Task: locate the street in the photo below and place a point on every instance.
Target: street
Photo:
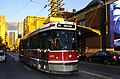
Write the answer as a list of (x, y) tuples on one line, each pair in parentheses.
[(13, 69)]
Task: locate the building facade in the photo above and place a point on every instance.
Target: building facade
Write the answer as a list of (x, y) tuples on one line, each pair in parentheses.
[(33, 22), (3, 29), (94, 23), (20, 29), (12, 35)]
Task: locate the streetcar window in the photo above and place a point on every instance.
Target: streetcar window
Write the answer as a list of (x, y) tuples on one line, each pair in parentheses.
[(63, 40), (44, 38), (52, 39)]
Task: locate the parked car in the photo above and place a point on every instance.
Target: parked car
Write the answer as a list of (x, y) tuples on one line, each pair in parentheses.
[(2, 56), (81, 56), (106, 57)]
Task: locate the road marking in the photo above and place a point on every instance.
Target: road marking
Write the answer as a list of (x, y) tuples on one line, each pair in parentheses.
[(12, 56), (95, 74), (27, 68), (15, 59)]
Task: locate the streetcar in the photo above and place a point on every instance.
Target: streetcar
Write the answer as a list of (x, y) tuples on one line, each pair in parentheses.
[(51, 48)]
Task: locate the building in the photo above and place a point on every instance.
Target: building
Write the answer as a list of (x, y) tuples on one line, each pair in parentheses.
[(12, 34), (3, 29), (94, 24), (20, 29), (11, 38), (33, 22)]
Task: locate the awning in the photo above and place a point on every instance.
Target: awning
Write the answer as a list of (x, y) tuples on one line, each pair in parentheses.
[(88, 32)]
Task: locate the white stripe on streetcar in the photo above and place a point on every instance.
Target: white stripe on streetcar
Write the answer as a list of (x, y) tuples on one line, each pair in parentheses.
[(63, 61), (35, 59)]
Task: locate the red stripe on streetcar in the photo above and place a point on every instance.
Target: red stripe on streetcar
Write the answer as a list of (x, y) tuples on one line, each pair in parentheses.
[(62, 56)]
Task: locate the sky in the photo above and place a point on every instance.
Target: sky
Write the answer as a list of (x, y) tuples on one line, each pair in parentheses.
[(17, 10)]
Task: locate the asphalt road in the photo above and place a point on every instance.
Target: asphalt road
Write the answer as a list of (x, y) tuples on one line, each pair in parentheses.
[(13, 69)]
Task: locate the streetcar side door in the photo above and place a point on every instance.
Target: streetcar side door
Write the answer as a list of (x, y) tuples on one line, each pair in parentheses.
[(44, 52)]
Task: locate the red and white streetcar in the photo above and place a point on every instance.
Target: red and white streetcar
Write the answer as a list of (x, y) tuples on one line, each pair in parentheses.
[(51, 48)]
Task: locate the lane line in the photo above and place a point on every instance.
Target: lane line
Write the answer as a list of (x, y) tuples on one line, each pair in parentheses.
[(105, 77), (16, 60), (27, 68), (13, 56)]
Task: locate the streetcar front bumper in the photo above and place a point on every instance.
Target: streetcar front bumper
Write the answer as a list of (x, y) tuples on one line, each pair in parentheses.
[(63, 68)]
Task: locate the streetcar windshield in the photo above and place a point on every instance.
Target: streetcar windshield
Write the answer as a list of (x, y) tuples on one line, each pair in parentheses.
[(63, 39)]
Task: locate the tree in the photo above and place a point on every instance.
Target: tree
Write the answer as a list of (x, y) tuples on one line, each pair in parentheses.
[(1, 40)]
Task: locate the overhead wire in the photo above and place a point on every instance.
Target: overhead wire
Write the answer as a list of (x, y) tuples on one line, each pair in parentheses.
[(41, 4), (19, 10), (36, 2), (39, 13), (42, 9), (25, 6)]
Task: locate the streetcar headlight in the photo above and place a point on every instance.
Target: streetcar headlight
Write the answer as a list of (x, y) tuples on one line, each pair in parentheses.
[(44, 51), (70, 56), (56, 57)]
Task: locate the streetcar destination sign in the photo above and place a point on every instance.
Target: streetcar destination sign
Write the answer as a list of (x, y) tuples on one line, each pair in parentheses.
[(66, 25)]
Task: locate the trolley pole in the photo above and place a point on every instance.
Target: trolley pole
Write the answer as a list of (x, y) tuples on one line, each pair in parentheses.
[(103, 23)]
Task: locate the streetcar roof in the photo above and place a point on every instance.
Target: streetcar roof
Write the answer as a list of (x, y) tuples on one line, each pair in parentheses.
[(52, 25)]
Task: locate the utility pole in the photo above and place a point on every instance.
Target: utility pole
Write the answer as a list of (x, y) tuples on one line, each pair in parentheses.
[(55, 7), (103, 23)]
